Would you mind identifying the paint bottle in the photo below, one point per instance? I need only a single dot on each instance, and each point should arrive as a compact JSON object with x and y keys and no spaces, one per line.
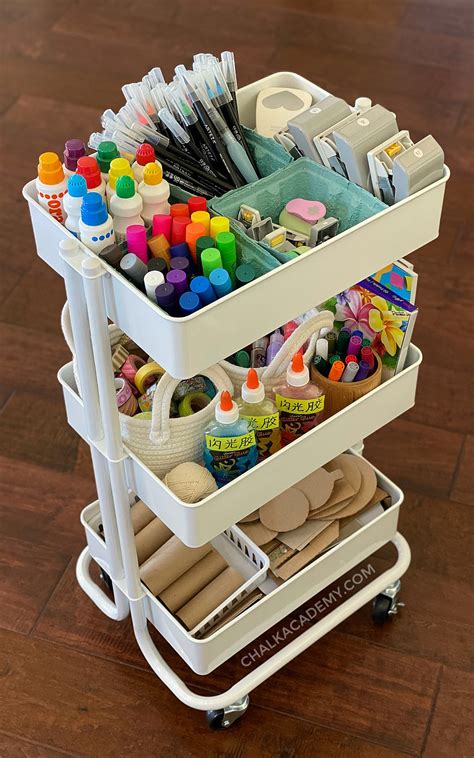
{"x":73,"y":150}
{"x":88,"y":167}
{"x":76,"y":191}
{"x":299,"y":401}
{"x":145,"y":154}
{"x":262,"y":415}
{"x":125,"y":206}
{"x":51,"y":185}
{"x":154,"y":191}
{"x":95,"y":225}
{"x":230,"y":446}
{"x":106,"y":153}
{"x":118,"y":167}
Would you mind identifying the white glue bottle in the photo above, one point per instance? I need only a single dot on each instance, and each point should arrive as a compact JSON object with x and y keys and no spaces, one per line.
{"x":76,"y":191}
{"x":154,"y":191}
{"x":144,"y":155}
{"x":51,"y":185}
{"x":118,"y":167}
{"x":95,"y":225}
{"x":125,"y":206}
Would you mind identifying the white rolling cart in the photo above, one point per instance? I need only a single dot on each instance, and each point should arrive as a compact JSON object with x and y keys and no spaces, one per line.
{"x":185,"y":347}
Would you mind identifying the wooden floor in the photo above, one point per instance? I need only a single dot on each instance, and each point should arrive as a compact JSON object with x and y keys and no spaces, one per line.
{"x":73,"y":682}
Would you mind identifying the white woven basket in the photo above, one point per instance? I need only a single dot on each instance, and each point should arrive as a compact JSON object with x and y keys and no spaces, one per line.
{"x":162,"y":442}
{"x":275,"y":372}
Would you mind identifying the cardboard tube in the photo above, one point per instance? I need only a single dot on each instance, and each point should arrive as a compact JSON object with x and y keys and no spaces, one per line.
{"x":169,"y":563}
{"x":193,"y":581}
{"x":210,"y":597}
{"x":149,"y":539}
{"x":141,"y":516}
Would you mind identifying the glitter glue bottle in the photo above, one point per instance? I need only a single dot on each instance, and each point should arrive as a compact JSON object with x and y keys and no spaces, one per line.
{"x":262,"y":415}
{"x":51,"y":185}
{"x":125,"y":206}
{"x":299,"y":401}
{"x":154,"y":191}
{"x":230,"y":447}
{"x":95,"y":225}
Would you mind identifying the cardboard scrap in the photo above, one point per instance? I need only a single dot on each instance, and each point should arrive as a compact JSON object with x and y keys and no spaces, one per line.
{"x":302,"y":536}
{"x":258,"y":533}
{"x":286,"y":511}
{"x":318,"y":486}
{"x":305,"y":556}
{"x":254,"y":516}
{"x":366,"y":490}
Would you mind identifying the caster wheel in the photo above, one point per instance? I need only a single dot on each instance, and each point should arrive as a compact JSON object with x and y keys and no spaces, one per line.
{"x":225,"y":717}
{"x":381,"y":609}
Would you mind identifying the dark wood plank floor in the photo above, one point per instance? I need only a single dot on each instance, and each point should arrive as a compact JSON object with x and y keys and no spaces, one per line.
{"x":74,"y":682}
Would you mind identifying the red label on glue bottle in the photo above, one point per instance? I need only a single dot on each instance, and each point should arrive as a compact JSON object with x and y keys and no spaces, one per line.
{"x":51,"y":185}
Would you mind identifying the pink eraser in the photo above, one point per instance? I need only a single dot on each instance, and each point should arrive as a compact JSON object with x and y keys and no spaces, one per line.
{"x":137,"y":242}
{"x":310,"y":211}
{"x":162,"y":225}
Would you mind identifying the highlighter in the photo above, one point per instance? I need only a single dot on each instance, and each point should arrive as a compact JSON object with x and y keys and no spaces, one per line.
{"x":202,"y":287}
{"x":202,"y":217}
{"x":220,"y":281}
{"x":193,"y":232}
{"x":218,"y":224}
{"x":112,"y":254}
{"x":210,"y":259}
{"x":225,"y":243}
{"x":337,"y":369}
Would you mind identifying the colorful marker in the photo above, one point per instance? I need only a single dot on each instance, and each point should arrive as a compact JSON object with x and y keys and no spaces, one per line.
{"x":321,"y":365}
{"x":220,"y":281}
{"x":152,"y":280}
{"x":202,"y":217}
{"x":202,"y":287}
{"x":179,"y":280}
{"x":218,"y":224}
{"x":210,"y":259}
{"x":178,"y":229}
{"x":337,"y":370}
{"x":225,"y":243}
{"x":363,"y":371}
{"x":350,"y":372}
{"x":331,"y":338}
{"x":244,"y":274}
{"x":137,"y":241}
{"x":196,"y":204}
{"x":193,"y":232}
{"x":355,"y":343}
{"x":162,"y":225}
{"x":166,"y":298}
{"x":189,"y":303}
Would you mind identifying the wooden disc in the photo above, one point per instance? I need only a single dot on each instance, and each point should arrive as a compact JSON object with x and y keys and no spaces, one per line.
{"x":366,"y":491}
{"x":254,"y":516}
{"x":286,"y":511}
{"x":258,"y":533}
{"x":318,"y":486}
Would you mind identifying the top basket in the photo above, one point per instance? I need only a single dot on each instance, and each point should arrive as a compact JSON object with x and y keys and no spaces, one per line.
{"x":185,"y":346}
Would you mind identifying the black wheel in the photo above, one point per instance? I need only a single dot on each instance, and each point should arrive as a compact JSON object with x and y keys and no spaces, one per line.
{"x":380,"y":609}
{"x":215,"y":720}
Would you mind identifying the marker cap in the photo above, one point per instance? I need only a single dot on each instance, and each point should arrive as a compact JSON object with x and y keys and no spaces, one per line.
{"x":178,"y":279}
{"x":202,"y":244}
{"x":179,"y":209}
{"x":136,"y":239}
{"x":220,"y":281}
{"x":202,"y":287}
{"x":180,"y":263}
{"x":210,"y":259}
{"x":152,"y":174}
{"x":119,"y":167}
{"x":355,"y":344}
{"x":157,"y":264}
{"x":77,"y":186}
{"x":189,"y":303}
{"x":178,"y":229}
{"x":350,"y":372}
{"x":363,"y":371}
{"x":159,"y":247}
{"x":201,"y":217}
{"x":106,"y":152}
{"x":152,"y":280}
{"x":367,"y":354}
{"x":50,"y":170}
{"x":218,"y":224}
{"x":162,"y":225}
{"x":253,"y":390}
{"x":93,"y":210}
{"x":242,"y":359}
{"x":227,"y":411}
{"x":337,"y":370}
{"x":349,"y":357}
{"x":225,"y":243}
{"x":88,"y":167}
{"x":112,"y":254}
{"x":166,"y":297}
{"x":193,"y":231}
{"x":73,"y":150}
{"x":145,"y":154}
{"x":180,"y":251}
{"x":197,"y":204}
{"x":321,"y":364}
{"x":125,"y":187}
{"x":297,"y":374}
{"x":244,"y":274}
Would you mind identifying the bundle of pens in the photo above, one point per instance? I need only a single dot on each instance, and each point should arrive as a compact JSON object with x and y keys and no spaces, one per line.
{"x":346,"y":367}
{"x":192,"y":122}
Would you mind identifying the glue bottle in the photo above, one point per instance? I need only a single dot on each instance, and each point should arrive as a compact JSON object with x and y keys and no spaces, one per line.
{"x":76,"y":191}
{"x":299,"y":401}
{"x":51,"y":185}
{"x":144,"y":155}
{"x":125,"y":206}
{"x":230,"y":446}
{"x":154,"y":191}
{"x":88,"y":167}
{"x":95,"y":225}
{"x":118,"y":167}
{"x":262,"y":415}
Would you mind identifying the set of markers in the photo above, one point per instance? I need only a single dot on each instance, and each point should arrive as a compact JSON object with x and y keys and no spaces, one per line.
{"x":262,"y":352}
{"x":192,"y":123}
{"x":344,"y":357}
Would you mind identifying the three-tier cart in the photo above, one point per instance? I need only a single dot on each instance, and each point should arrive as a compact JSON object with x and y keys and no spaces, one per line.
{"x":185,"y":347}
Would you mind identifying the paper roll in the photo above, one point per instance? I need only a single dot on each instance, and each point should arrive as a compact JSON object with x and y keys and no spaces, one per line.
{"x":210,"y":597}
{"x":193,"y":581}
{"x":150,"y":538}
{"x":141,"y":516}
{"x":169,"y":563}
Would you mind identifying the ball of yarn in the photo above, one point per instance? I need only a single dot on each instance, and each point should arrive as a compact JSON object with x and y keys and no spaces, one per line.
{"x":190,"y":482}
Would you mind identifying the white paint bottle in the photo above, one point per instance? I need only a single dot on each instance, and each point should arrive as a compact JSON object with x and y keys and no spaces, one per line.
{"x":126,"y":207}
{"x":95,"y":225}
{"x":154,"y":191}
{"x":51,"y":186}
{"x":76,"y":191}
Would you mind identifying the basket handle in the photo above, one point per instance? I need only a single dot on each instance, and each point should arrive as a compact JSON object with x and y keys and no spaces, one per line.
{"x":160,"y":412}
{"x":324,"y":319}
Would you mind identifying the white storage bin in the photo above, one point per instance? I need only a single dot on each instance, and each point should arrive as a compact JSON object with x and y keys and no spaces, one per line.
{"x":186,"y":346}
{"x":204,"y":655}
{"x":198,"y":523}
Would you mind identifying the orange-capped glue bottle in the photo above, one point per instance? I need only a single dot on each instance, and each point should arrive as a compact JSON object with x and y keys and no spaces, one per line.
{"x":300,"y":402}
{"x":262,"y":415}
{"x":51,"y":185}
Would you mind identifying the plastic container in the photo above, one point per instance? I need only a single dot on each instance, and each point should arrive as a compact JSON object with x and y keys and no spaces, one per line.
{"x":51,"y":186}
{"x":198,"y":523}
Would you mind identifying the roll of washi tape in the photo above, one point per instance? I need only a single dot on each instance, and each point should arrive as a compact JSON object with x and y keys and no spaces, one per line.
{"x":130,"y":367}
{"x":144,"y":416}
{"x":145,"y":401}
{"x":193,"y":403}
{"x":147,"y":375}
{"x":123,"y":391}
{"x":130,"y":407}
{"x":119,"y":356}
